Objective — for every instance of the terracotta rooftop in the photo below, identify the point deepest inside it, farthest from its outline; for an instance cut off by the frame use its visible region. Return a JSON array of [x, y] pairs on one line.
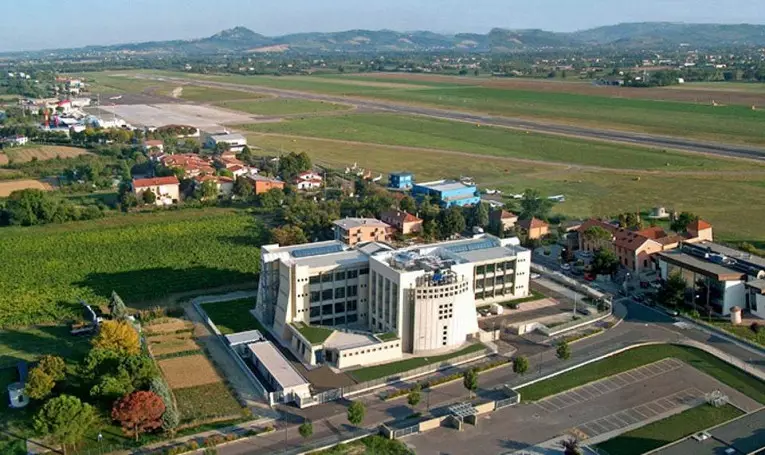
[[699, 225], [399, 216], [533, 223], [156, 181], [599, 223], [629, 240], [653, 233]]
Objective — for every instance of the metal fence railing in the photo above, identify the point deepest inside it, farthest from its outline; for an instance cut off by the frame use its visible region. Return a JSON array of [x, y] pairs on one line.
[[401, 432], [507, 402]]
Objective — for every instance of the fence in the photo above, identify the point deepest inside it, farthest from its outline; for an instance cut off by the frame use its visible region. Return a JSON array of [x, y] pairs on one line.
[[508, 402], [401, 432], [237, 358]]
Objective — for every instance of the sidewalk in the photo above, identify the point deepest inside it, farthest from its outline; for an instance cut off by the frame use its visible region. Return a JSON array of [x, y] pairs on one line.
[[239, 429]]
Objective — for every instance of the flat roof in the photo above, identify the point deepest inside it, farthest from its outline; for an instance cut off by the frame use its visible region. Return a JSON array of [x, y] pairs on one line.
[[228, 137], [743, 434], [278, 366], [444, 185], [349, 223], [349, 340], [730, 252], [483, 248], [698, 265], [249, 336], [344, 258]]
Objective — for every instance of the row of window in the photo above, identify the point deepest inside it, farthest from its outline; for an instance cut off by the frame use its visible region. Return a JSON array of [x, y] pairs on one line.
[[491, 268], [331, 294], [330, 309], [336, 321], [367, 351], [338, 276]]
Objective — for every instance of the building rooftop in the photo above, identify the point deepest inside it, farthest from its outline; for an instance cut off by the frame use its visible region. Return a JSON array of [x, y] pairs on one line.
[[250, 336], [351, 223], [444, 185], [260, 178], [276, 364], [699, 265], [349, 340], [402, 174], [228, 137], [757, 284], [156, 181], [533, 223], [728, 252], [743, 435]]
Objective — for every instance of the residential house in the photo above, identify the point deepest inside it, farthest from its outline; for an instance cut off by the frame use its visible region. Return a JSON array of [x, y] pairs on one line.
[[157, 144], [167, 189], [403, 222], [534, 228], [358, 230], [15, 141], [224, 184], [504, 219], [699, 231], [400, 180], [717, 275], [239, 170], [447, 193], [234, 142], [192, 164], [308, 180], [262, 184]]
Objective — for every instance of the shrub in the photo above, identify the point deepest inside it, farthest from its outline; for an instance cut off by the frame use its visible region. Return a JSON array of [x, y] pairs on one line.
[[192, 445], [755, 327], [171, 418]]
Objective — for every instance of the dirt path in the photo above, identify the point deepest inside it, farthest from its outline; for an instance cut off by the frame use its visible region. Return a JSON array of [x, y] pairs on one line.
[[561, 166]]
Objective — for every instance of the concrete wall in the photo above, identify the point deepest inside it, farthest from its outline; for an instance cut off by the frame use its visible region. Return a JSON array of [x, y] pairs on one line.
[[367, 355], [735, 295], [760, 301], [486, 407], [431, 424]]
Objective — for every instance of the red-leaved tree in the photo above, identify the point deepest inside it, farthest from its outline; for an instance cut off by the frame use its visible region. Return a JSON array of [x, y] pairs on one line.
[[139, 412]]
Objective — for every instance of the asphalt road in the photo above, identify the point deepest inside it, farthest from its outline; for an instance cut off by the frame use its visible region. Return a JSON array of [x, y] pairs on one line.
[[646, 140], [640, 324]]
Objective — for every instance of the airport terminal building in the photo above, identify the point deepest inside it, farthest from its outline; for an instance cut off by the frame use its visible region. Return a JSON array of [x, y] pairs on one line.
[[349, 306]]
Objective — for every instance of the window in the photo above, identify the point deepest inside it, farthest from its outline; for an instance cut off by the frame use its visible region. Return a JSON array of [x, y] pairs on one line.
[[479, 270], [490, 268], [326, 309], [340, 307], [352, 274], [351, 306], [340, 320], [352, 291], [339, 276], [364, 271], [315, 296], [339, 293], [314, 279], [315, 312], [326, 294], [329, 321], [326, 278]]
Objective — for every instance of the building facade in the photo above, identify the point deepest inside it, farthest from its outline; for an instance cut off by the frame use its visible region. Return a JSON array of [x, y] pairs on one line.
[[403, 222], [400, 180], [378, 303], [361, 230], [262, 184], [166, 189], [447, 193], [234, 142]]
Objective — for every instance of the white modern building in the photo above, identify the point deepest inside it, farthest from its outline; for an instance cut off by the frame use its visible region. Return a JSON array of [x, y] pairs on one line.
[[235, 142], [348, 306]]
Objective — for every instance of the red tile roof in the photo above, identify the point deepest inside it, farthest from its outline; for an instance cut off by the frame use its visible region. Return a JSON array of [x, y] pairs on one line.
[[399, 217], [533, 223], [154, 142], [505, 215], [653, 233], [156, 181], [593, 222], [699, 225], [629, 240]]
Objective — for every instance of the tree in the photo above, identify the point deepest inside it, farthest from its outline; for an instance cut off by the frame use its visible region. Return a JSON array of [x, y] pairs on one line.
[[117, 308], [207, 190], [563, 350], [113, 375], [681, 222], [597, 236], [65, 419], [570, 446], [149, 197], [170, 418], [306, 429], [407, 204], [139, 412], [533, 205], [672, 292], [481, 215], [288, 235], [117, 336], [39, 384], [605, 262], [128, 200], [356, 413], [520, 365], [53, 366], [450, 222], [414, 396], [470, 381], [243, 188]]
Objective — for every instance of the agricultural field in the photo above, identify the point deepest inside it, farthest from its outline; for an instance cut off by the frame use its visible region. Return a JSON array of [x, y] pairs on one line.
[[206, 402], [41, 153], [589, 191], [431, 133], [209, 95], [188, 371], [143, 257], [9, 186], [282, 106]]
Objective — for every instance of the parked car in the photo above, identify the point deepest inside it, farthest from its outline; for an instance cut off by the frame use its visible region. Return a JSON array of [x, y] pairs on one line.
[[535, 276], [565, 266], [672, 312]]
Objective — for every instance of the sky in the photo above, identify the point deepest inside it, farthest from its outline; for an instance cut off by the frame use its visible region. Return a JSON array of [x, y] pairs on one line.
[[53, 24]]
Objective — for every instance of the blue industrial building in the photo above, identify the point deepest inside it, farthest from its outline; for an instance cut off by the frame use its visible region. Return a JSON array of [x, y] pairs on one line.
[[448, 192], [400, 180]]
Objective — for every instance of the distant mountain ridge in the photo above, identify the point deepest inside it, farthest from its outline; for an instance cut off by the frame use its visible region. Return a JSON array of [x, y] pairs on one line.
[[627, 36]]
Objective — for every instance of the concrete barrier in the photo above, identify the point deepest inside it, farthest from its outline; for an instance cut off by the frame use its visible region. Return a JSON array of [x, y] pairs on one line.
[[431, 424], [486, 407]]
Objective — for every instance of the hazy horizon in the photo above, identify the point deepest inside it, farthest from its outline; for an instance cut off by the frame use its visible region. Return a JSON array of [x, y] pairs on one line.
[[49, 24]]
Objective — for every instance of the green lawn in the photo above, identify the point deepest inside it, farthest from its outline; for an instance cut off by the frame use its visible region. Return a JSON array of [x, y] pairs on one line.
[[206, 402], [389, 369], [639, 356], [313, 333], [743, 331], [207, 94], [371, 445], [425, 132], [389, 336], [233, 316], [29, 343], [143, 257], [670, 429], [282, 106]]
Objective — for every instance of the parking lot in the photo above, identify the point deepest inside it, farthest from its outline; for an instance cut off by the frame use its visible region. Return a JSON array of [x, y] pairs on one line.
[[606, 407], [203, 117]]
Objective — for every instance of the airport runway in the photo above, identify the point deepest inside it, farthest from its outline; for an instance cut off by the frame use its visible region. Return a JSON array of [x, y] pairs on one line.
[[640, 139]]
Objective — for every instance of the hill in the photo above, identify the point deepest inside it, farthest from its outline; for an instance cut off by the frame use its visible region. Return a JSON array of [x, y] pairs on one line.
[[645, 35]]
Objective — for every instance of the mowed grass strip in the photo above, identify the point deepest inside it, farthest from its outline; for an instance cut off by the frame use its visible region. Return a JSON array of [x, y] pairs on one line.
[[207, 94], [644, 355], [233, 316], [204, 402], [389, 369], [670, 429], [282, 106], [30, 343], [412, 131], [142, 257]]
